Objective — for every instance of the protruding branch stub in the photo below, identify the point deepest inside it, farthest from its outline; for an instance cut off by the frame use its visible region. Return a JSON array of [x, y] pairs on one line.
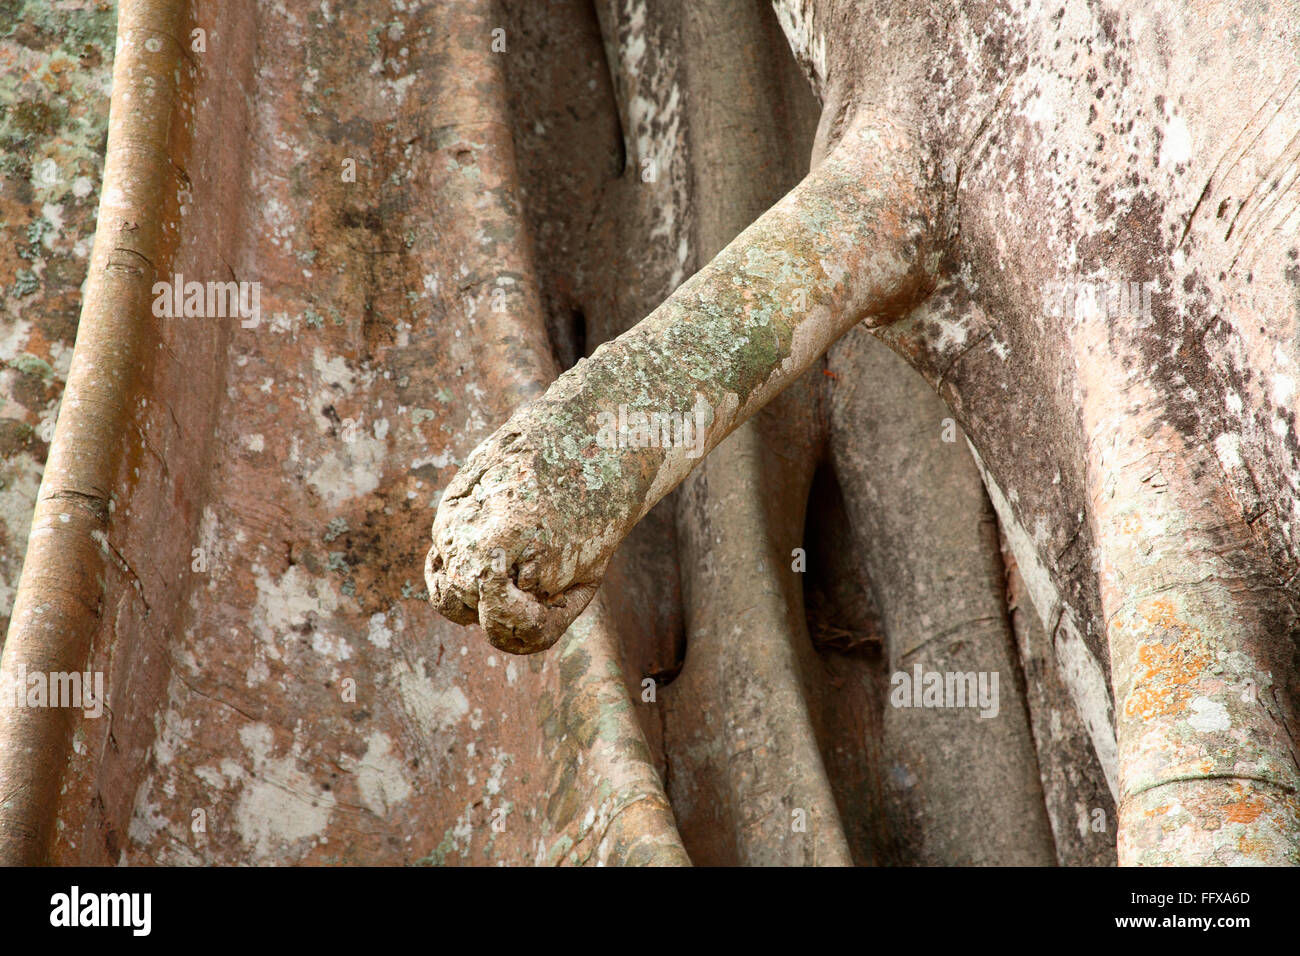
[[490, 564], [525, 531]]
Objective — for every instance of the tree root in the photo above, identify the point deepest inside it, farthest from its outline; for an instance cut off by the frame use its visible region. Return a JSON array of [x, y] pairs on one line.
[[921, 518], [58, 604]]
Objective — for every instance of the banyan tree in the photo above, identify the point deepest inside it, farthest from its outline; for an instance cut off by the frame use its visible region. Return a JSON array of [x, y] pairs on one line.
[[650, 432]]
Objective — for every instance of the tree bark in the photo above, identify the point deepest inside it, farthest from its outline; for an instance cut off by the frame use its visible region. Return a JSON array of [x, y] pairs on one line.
[[1075, 225], [1246, 615]]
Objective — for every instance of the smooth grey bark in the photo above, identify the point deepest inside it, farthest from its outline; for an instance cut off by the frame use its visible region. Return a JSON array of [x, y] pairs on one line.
[[962, 784]]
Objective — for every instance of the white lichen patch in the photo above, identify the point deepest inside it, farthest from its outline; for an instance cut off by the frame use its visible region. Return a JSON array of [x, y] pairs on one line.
[[381, 777], [211, 776], [172, 731], [496, 772], [350, 471], [286, 603], [333, 371], [433, 708], [1177, 144], [377, 631], [1283, 388], [280, 804], [331, 646], [1208, 716], [1227, 447]]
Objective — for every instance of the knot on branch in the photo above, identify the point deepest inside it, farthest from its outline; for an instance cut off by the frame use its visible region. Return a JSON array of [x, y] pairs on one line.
[[492, 563]]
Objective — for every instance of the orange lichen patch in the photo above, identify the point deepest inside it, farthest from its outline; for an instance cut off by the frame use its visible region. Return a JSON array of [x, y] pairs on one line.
[[1245, 811], [1156, 811], [1130, 524], [1253, 847], [1161, 613], [1164, 673]]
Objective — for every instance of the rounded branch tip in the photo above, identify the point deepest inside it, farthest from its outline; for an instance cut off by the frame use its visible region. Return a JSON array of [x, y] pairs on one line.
[[516, 620]]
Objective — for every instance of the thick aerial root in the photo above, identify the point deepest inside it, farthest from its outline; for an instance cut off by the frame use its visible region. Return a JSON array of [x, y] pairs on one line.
[[755, 791], [525, 530], [919, 514], [59, 594], [1203, 667], [1201, 638], [1079, 803], [607, 804]]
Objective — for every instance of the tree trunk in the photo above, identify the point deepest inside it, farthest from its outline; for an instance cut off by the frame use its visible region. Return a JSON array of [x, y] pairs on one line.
[[487, 237]]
